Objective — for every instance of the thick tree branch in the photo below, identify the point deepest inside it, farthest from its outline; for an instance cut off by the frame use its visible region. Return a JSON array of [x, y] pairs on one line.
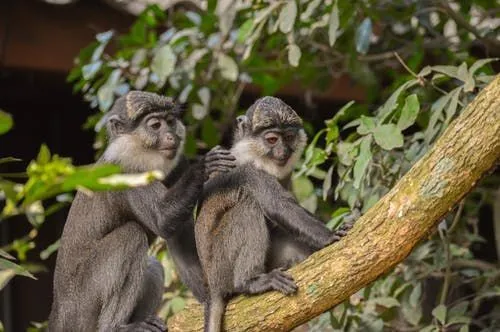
[[385, 235]]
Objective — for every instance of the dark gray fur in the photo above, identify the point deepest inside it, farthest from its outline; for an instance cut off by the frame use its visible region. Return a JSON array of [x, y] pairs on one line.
[[249, 227], [104, 280]]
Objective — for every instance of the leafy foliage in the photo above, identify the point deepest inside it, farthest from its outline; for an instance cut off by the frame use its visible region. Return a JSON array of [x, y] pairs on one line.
[[209, 55], [48, 176]]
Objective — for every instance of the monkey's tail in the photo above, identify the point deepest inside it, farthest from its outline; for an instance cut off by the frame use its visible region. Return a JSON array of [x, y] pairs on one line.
[[214, 312]]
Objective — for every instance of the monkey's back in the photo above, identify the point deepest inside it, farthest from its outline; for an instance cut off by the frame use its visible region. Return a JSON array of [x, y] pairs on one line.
[[93, 237], [230, 225]]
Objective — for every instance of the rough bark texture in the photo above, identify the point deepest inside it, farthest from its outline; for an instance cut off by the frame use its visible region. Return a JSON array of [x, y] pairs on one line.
[[385, 235]]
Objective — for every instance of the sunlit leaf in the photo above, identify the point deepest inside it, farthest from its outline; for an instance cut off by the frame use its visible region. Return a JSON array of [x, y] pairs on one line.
[[89, 70], [362, 161], [287, 16], [363, 35], [333, 24], [43, 155], [439, 313], [409, 112], [5, 254], [50, 250], [228, 67], [452, 106], [6, 160], [387, 302], [480, 63], [392, 102], [294, 55], [327, 183], [245, 31], [366, 125], [415, 295], [388, 136], [163, 63], [310, 9], [6, 122]]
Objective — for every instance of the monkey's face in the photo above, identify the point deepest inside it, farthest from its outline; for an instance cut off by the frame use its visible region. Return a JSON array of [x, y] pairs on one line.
[[162, 132], [280, 144]]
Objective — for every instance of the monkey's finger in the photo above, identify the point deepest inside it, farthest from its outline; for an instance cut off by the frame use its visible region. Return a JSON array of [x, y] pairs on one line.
[[225, 155], [285, 281], [285, 288], [223, 163], [334, 238], [282, 273], [341, 232], [213, 168]]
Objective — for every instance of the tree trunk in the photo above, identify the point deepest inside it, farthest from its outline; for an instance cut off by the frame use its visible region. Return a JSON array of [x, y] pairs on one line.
[[382, 237]]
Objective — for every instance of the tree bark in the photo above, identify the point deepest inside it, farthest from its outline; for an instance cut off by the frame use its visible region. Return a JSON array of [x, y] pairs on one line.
[[382, 237]]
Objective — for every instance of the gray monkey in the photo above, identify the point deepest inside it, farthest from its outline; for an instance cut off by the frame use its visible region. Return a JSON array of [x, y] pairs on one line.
[[104, 280]]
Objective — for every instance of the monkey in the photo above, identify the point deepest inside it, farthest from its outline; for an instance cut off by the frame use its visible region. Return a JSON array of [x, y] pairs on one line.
[[249, 227], [103, 279]]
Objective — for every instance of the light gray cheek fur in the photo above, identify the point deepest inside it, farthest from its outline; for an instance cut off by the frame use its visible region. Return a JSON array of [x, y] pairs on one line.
[[128, 152], [249, 151]]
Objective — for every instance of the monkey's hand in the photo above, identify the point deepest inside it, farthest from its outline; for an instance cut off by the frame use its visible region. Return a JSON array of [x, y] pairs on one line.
[[218, 160], [151, 324], [346, 226]]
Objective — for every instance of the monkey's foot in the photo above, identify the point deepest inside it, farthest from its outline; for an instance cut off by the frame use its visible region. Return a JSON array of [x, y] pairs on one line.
[[151, 324], [277, 280], [347, 224]]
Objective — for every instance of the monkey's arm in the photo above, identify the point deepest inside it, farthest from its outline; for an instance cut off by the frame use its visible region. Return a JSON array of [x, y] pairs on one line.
[[281, 207], [163, 210]]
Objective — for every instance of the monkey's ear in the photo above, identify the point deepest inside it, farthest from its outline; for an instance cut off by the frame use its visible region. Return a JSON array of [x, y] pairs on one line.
[[115, 125]]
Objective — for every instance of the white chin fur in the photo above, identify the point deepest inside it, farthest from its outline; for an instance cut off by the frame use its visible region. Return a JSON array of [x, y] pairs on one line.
[[127, 152], [248, 151]]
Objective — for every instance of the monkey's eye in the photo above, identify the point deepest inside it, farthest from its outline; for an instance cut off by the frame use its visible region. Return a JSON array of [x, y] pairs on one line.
[[289, 137], [170, 121], [154, 124], [271, 139]]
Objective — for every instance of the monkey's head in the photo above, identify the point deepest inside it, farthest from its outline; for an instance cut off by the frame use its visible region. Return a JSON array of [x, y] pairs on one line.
[[145, 132], [271, 136]]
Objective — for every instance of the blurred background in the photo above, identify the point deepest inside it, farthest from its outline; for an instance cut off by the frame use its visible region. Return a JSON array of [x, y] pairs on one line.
[[410, 67]]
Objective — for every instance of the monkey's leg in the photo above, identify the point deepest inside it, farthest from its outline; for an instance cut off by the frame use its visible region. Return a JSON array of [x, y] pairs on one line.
[[121, 273], [152, 290], [250, 276]]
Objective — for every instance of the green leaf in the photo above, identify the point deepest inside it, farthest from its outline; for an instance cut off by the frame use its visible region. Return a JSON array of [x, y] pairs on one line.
[[387, 302], [310, 9], [439, 313], [415, 295], [366, 125], [363, 35], [452, 106], [430, 328], [90, 69], [480, 63], [458, 320], [6, 122], [327, 183], [392, 102], [245, 31], [5, 254], [287, 16], [294, 55], [50, 250], [333, 24], [9, 160], [177, 304], [209, 132], [163, 63], [388, 136], [409, 112], [362, 161], [228, 67], [43, 155], [346, 152], [464, 328], [18, 270]]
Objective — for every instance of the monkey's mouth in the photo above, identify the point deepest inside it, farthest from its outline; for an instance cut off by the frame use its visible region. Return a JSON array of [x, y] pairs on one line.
[[281, 162], [169, 152]]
